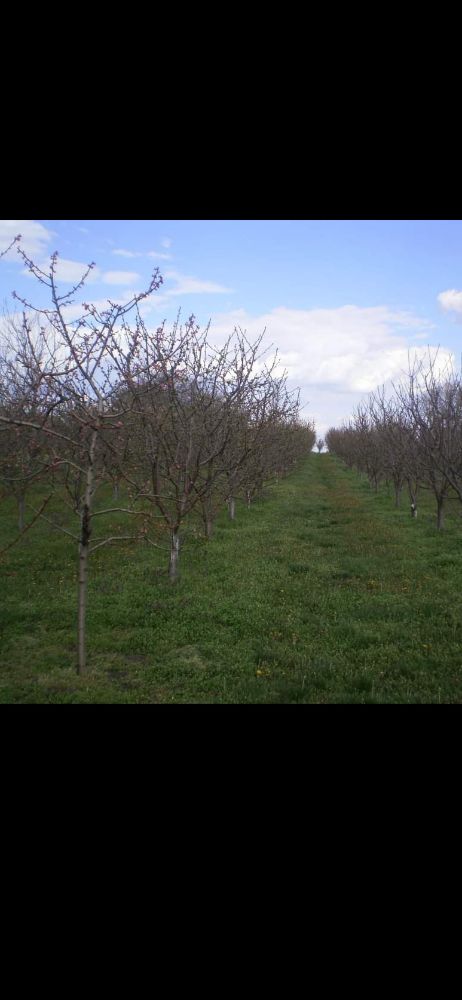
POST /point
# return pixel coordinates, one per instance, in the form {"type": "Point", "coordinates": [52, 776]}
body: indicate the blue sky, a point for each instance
{"type": "Point", "coordinates": [342, 300]}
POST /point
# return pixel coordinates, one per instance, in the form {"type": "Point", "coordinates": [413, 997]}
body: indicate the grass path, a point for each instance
{"type": "Point", "coordinates": [322, 592]}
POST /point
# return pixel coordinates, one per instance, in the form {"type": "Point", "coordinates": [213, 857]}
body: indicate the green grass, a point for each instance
{"type": "Point", "coordinates": [322, 592]}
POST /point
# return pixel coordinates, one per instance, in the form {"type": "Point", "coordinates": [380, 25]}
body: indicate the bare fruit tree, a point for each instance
{"type": "Point", "coordinates": [413, 435]}
{"type": "Point", "coordinates": [194, 417]}
{"type": "Point", "coordinates": [115, 417]}
{"type": "Point", "coordinates": [67, 365]}
{"type": "Point", "coordinates": [433, 401]}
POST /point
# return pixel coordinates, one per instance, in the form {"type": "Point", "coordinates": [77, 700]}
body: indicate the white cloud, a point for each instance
{"type": "Point", "coordinates": [136, 253]}
{"type": "Point", "coordinates": [159, 256]}
{"type": "Point", "coordinates": [126, 253]}
{"type": "Point", "coordinates": [35, 237]}
{"type": "Point", "coordinates": [191, 286]}
{"type": "Point", "coordinates": [70, 272]}
{"type": "Point", "coordinates": [451, 301]}
{"type": "Point", "coordinates": [120, 277]}
{"type": "Point", "coordinates": [336, 356]}
{"type": "Point", "coordinates": [166, 242]}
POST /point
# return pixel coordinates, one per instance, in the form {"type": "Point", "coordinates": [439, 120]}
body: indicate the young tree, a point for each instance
{"type": "Point", "coordinates": [192, 424]}
{"type": "Point", "coordinates": [69, 366]}
{"type": "Point", "coordinates": [22, 457]}
{"type": "Point", "coordinates": [413, 436]}
{"type": "Point", "coordinates": [433, 402]}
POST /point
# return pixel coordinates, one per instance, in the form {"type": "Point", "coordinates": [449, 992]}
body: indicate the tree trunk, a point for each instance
{"type": "Point", "coordinates": [232, 508]}
{"type": "Point", "coordinates": [439, 513]}
{"type": "Point", "coordinates": [83, 572]}
{"type": "Point", "coordinates": [115, 492]}
{"type": "Point", "coordinates": [21, 509]}
{"type": "Point", "coordinates": [398, 495]}
{"type": "Point", "coordinates": [207, 516]}
{"type": "Point", "coordinates": [412, 492]}
{"type": "Point", "coordinates": [207, 505]}
{"type": "Point", "coordinates": [173, 569]}
{"type": "Point", "coordinates": [84, 548]}
{"type": "Point", "coordinates": [155, 478]}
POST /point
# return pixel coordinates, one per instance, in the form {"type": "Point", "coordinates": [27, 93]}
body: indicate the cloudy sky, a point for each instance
{"type": "Point", "coordinates": [342, 300]}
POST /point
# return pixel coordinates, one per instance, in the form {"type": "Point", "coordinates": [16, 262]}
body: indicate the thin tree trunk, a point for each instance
{"type": "Point", "coordinates": [155, 478]}
{"type": "Point", "coordinates": [115, 492]}
{"type": "Point", "coordinates": [21, 509]}
{"type": "Point", "coordinates": [232, 508]}
{"type": "Point", "coordinates": [439, 513]}
{"type": "Point", "coordinates": [83, 568]}
{"type": "Point", "coordinates": [207, 505]}
{"type": "Point", "coordinates": [398, 495]}
{"type": "Point", "coordinates": [173, 569]}
{"type": "Point", "coordinates": [84, 546]}
{"type": "Point", "coordinates": [207, 516]}
{"type": "Point", "coordinates": [412, 492]}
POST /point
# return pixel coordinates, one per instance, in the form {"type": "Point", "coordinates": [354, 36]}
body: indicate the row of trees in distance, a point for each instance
{"type": "Point", "coordinates": [174, 425]}
{"type": "Point", "coordinates": [411, 436]}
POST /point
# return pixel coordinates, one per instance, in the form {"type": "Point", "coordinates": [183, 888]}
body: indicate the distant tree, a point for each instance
{"type": "Point", "coordinates": [433, 402]}
{"type": "Point", "coordinates": [23, 459]}
{"type": "Point", "coordinates": [413, 435]}
{"type": "Point", "coordinates": [195, 421]}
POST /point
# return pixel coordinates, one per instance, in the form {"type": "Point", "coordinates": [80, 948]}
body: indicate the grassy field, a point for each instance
{"type": "Point", "coordinates": [321, 592]}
